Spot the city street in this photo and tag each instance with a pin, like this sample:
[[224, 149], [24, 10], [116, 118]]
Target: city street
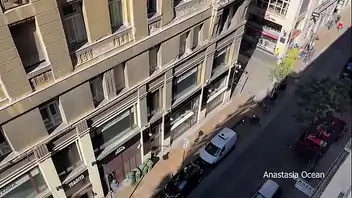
[[241, 173]]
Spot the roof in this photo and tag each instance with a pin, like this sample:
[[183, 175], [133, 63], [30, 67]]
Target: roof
[[269, 188], [223, 137]]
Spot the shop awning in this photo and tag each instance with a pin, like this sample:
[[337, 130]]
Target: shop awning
[[264, 33], [294, 34]]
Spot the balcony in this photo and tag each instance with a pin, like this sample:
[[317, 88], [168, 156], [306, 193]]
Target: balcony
[[116, 41], [190, 7], [9, 4]]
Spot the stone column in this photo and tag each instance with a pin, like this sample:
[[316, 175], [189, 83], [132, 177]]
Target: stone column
[[48, 170], [86, 148]]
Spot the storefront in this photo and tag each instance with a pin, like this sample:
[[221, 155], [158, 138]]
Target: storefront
[[29, 185], [262, 33], [184, 116], [79, 186], [122, 159]]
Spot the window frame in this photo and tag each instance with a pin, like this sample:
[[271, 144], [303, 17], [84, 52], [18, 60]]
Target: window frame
[[183, 44], [151, 100], [55, 120], [5, 147], [218, 53], [154, 11], [122, 21], [71, 20], [112, 122], [97, 95], [154, 65], [74, 163], [195, 70]]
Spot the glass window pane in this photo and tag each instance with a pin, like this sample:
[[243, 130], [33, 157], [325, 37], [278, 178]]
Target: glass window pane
[[118, 129], [52, 108], [186, 84], [27, 190], [40, 182], [115, 12], [44, 113]]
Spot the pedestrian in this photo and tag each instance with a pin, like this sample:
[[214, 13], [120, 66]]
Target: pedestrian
[[339, 26]]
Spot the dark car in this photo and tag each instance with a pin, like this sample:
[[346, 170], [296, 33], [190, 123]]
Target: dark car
[[184, 181], [347, 70]]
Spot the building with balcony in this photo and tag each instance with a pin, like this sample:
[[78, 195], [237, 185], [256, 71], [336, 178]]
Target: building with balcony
[[90, 89]]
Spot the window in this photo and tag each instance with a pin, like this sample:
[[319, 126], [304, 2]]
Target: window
[[154, 60], [152, 7], [6, 4], [183, 44], [217, 85], [220, 60], [28, 43], [30, 185], [185, 83], [279, 7], [153, 103], [74, 24], [115, 12], [197, 35], [96, 86], [119, 77], [114, 129], [51, 115], [66, 160], [223, 23], [4, 146]]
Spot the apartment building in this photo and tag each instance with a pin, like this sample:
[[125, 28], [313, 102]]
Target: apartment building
[[275, 24], [90, 89]]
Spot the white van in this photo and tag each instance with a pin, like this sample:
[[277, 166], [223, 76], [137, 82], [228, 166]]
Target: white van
[[269, 189], [219, 146]]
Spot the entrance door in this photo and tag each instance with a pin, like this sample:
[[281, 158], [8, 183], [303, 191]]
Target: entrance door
[[116, 168], [131, 158]]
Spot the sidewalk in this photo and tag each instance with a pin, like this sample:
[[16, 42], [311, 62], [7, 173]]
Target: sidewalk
[[326, 37], [161, 173]]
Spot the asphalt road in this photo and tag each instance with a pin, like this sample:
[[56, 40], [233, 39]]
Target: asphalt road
[[241, 173]]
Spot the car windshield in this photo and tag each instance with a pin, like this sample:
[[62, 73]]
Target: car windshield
[[258, 195], [212, 149]]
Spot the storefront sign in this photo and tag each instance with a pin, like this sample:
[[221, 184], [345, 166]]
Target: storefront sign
[[7, 189], [120, 149], [75, 181]]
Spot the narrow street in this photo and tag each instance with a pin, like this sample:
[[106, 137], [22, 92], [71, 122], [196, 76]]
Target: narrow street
[[241, 173]]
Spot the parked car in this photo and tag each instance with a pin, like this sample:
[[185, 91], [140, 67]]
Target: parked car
[[269, 189], [184, 181], [347, 70], [219, 146]]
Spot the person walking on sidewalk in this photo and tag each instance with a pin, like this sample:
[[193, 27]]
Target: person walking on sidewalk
[[339, 26]]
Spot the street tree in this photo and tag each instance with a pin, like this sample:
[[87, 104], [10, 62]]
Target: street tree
[[317, 97], [285, 68]]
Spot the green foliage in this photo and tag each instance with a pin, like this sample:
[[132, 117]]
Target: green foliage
[[285, 68], [317, 97]]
